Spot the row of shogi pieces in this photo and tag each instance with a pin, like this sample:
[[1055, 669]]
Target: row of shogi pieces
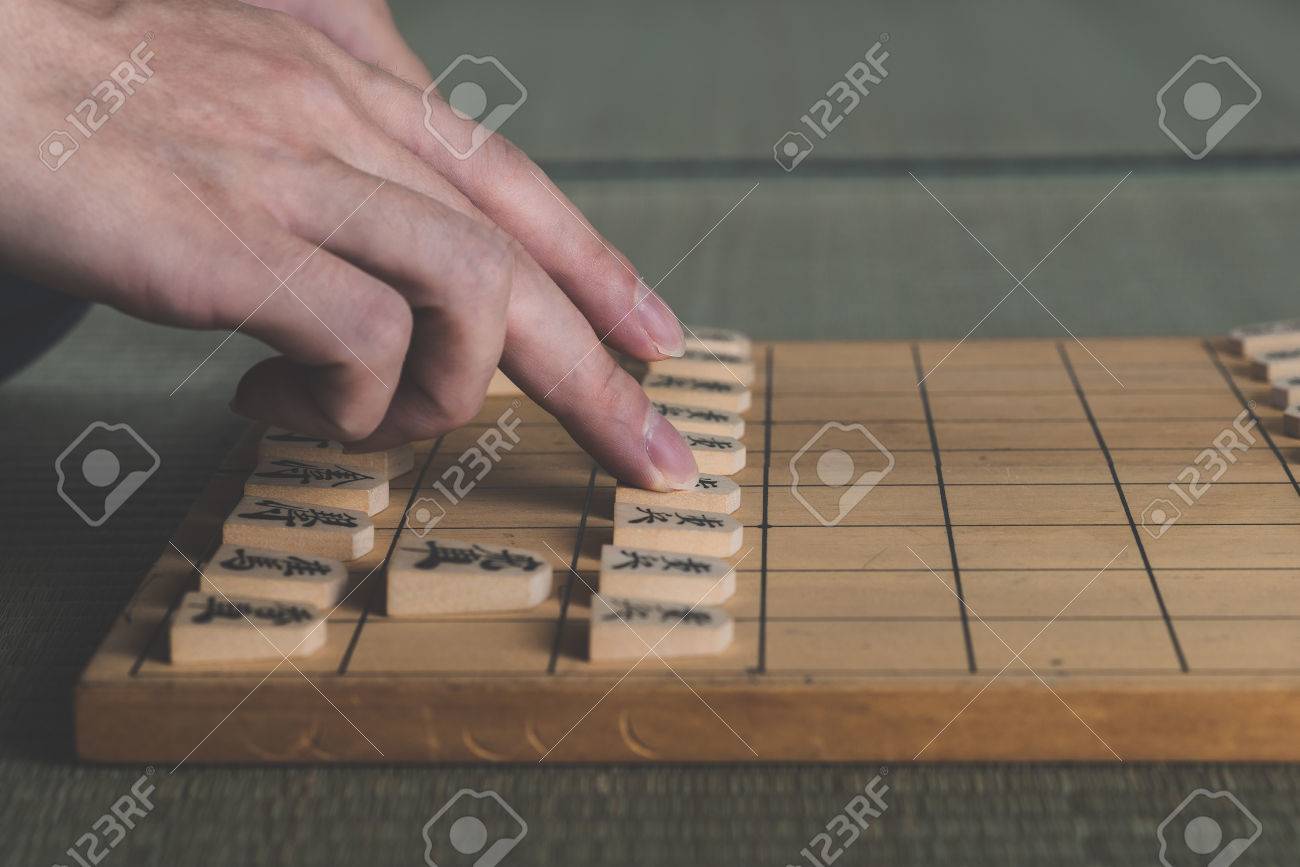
[[308, 504], [1273, 350]]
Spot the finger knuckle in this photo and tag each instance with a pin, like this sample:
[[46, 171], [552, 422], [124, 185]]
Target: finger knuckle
[[607, 391], [382, 325], [352, 420], [452, 408]]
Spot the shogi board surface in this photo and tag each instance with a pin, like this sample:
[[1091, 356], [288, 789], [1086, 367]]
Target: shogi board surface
[[1022, 469]]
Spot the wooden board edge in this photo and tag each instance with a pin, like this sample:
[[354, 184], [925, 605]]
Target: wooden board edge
[[418, 720]]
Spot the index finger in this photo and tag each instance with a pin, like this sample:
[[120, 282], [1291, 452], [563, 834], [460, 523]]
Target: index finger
[[517, 195], [552, 353]]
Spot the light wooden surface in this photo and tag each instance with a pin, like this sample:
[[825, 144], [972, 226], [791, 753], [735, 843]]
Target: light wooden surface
[[849, 640]]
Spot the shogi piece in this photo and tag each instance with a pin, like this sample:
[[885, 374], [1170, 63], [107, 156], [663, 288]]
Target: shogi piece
[[263, 573], [699, 419], [1251, 340], [299, 528], [280, 443], [323, 484], [730, 396], [719, 456], [209, 627], [710, 494], [719, 340], [1291, 421], [1285, 392], [446, 576], [628, 628], [708, 365], [665, 576], [694, 532], [1276, 364]]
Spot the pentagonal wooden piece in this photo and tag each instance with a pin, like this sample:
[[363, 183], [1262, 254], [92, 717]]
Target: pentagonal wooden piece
[[322, 484], [209, 627], [299, 528], [709, 393], [438, 575], [388, 464], [1264, 337], [719, 340], [716, 455], [710, 494], [1275, 364], [694, 532], [628, 628], [265, 573], [708, 365], [665, 576], [699, 419]]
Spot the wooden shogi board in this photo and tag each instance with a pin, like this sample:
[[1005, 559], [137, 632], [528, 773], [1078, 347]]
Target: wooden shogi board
[[1021, 470]]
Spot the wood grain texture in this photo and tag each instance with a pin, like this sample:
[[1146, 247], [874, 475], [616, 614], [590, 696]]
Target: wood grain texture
[[850, 641]]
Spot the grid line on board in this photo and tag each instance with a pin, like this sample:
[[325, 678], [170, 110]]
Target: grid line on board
[[947, 516], [381, 568], [769, 370], [1248, 406], [567, 596], [1128, 512]]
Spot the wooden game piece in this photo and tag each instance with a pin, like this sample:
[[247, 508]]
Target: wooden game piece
[[323, 484], [709, 393], [719, 340], [437, 575], [665, 576], [694, 532], [280, 443], [1276, 364], [710, 494], [209, 627], [720, 456], [707, 365], [298, 528], [1264, 337], [628, 628], [1291, 421], [699, 419], [1285, 392], [262, 573]]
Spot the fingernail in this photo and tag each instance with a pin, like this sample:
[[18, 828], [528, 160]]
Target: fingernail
[[661, 326], [669, 454]]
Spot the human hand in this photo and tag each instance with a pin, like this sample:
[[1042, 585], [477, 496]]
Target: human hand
[[363, 28], [407, 273]]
